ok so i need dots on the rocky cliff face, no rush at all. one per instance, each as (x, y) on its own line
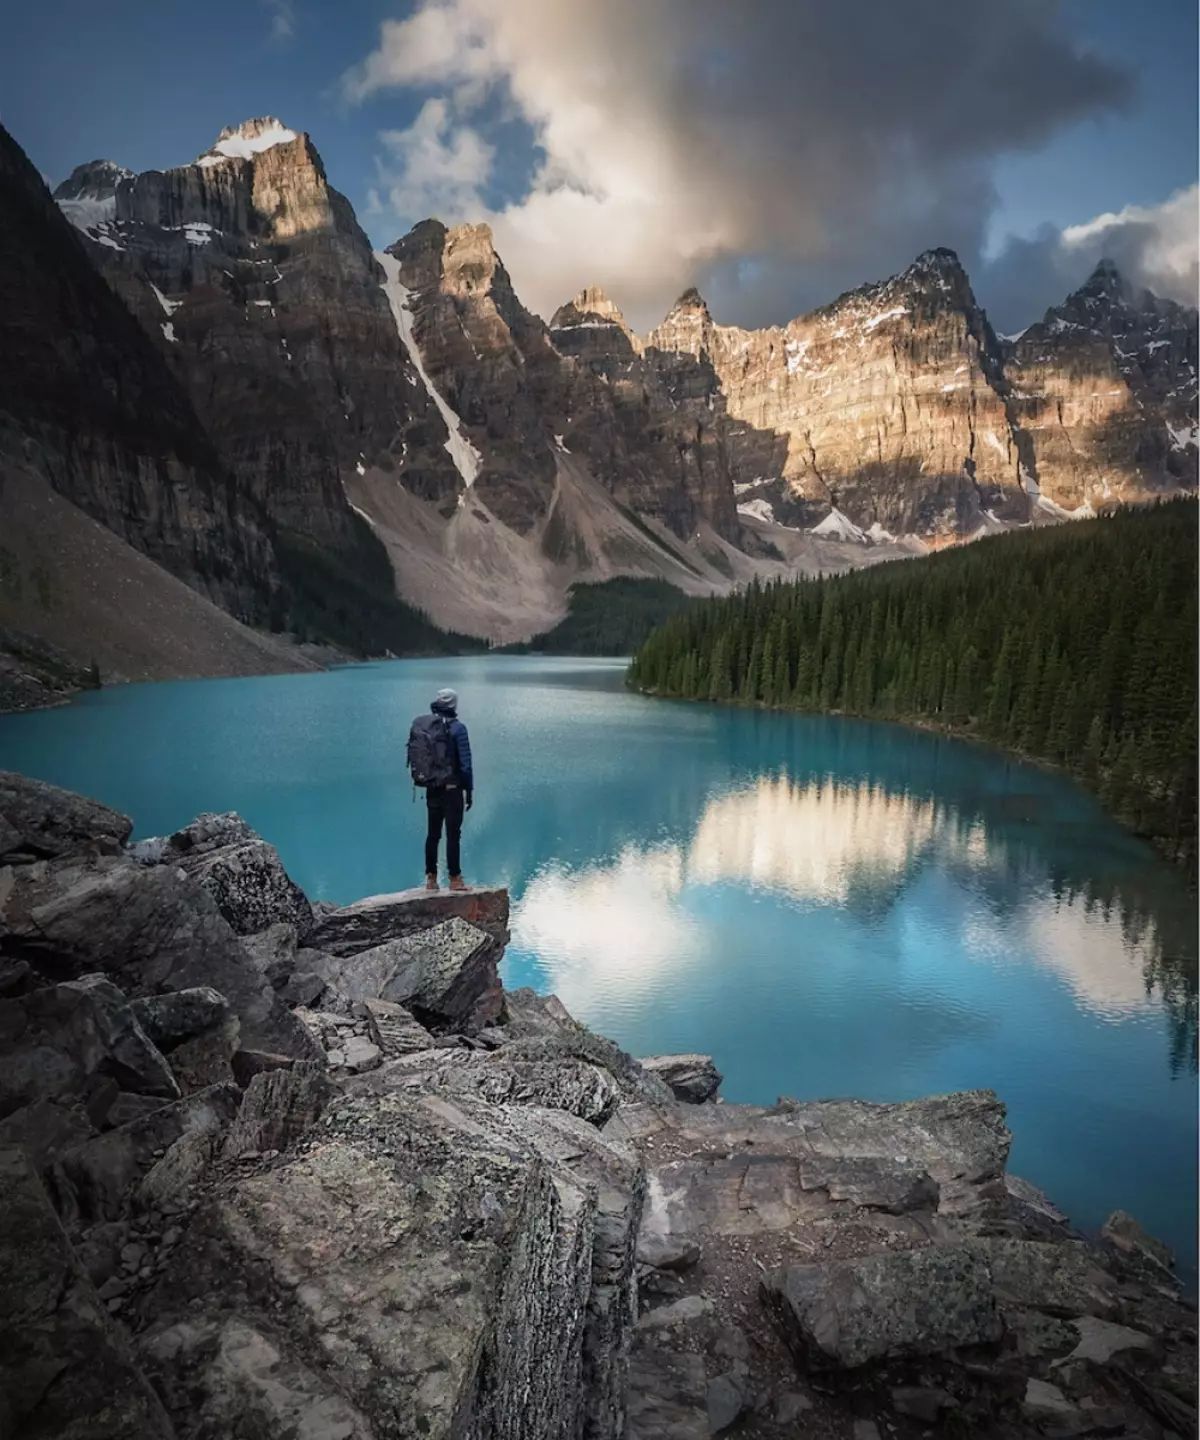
(883, 405)
(260, 288)
(526, 393)
(413, 387)
(1105, 389)
(86, 403)
(897, 410)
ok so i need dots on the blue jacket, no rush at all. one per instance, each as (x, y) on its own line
(462, 750)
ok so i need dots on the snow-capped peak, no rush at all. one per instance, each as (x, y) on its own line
(244, 141)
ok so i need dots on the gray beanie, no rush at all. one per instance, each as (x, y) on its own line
(446, 700)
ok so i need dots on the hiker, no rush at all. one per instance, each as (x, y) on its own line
(439, 756)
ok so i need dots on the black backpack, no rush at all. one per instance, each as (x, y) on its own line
(431, 751)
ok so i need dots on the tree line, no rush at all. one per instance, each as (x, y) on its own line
(1074, 644)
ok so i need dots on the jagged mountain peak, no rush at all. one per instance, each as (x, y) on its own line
(245, 141)
(590, 307)
(691, 299)
(94, 180)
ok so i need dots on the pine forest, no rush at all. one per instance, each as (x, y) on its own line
(1073, 644)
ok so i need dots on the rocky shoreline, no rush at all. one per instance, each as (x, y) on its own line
(291, 1171)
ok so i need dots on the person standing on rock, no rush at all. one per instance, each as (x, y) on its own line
(439, 756)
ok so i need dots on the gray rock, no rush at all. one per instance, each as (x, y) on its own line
(151, 930)
(668, 1394)
(667, 1252)
(527, 1015)
(243, 874)
(179, 1015)
(97, 1180)
(273, 952)
(921, 1402)
(351, 929)
(789, 1406)
(446, 976)
(847, 1313)
(394, 1030)
(475, 1321)
(1101, 1341)
(64, 1369)
(362, 1055)
(280, 1106)
(866, 1430)
(1128, 1235)
(1061, 1278)
(1044, 1401)
(58, 1040)
(206, 1059)
(302, 987)
(682, 1312)
(580, 1043)
(574, 1086)
(692, 1078)
(726, 1399)
(41, 821)
(46, 1129)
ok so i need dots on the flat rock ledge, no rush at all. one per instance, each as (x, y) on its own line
(303, 1172)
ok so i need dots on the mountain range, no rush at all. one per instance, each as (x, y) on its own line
(224, 418)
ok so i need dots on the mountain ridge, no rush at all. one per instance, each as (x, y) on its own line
(402, 416)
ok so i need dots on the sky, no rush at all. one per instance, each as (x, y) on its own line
(773, 153)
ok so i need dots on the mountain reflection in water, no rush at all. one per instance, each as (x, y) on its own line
(858, 848)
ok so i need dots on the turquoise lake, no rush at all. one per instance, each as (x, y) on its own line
(828, 907)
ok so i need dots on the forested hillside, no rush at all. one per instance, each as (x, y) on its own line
(613, 617)
(1074, 644)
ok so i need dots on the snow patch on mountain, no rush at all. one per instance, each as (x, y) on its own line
(89, 212)
(467, 460)
(837, 526)
(758, 510)
(1183, 435)
(243, 142)
(170, 306)
(881, 319)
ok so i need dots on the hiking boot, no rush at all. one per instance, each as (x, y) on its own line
(458, 883)
(431, 882)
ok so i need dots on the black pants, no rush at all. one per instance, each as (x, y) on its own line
(447, 806)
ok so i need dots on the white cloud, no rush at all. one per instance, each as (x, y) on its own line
(675, 137)
(283, 19)
(436, 168)
(1157, 245)
(1153, 245)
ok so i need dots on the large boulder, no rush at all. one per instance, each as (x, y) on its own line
(68, 1039)
(65, 1370)
(692, 1078)
(241, 871)
(916, 1303)
(447, 976)
(181, 1015)
(350, 929)
(574, 1086)
(40, 821)
(420, 1269)
(151, 929)
(154, 1158)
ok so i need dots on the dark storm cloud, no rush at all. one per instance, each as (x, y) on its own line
(827, 143)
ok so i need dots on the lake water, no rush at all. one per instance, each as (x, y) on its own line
(828, 907)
